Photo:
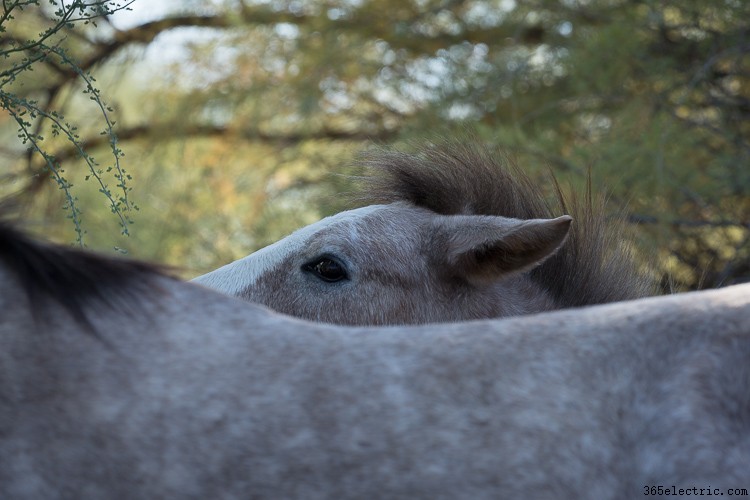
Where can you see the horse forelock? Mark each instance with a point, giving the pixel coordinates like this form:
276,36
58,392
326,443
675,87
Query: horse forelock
453,177
73,278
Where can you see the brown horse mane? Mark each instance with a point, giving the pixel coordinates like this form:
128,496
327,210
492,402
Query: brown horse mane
452,177
74,278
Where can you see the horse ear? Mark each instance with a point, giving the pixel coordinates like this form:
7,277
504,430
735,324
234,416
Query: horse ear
484,248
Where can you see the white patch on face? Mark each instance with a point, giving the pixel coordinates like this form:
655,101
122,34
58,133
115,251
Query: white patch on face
242,274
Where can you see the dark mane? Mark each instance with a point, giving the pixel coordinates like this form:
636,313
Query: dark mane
73,278
594,266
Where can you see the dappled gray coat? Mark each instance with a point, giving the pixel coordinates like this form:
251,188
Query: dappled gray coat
117,382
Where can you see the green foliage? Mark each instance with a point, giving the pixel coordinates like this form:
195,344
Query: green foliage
23,55
233,136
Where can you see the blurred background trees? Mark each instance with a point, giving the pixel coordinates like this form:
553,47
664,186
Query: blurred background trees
233,114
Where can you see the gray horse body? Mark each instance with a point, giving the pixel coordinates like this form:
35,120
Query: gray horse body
134,385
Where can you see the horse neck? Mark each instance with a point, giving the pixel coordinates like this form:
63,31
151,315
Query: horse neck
517,296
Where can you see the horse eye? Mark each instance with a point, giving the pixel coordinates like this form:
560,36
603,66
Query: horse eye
327,269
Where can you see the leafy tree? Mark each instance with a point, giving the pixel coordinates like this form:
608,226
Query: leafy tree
37,40
267,96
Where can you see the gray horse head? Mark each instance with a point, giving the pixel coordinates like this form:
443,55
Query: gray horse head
448,233
398,263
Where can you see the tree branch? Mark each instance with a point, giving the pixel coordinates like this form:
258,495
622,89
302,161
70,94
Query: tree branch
160,132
